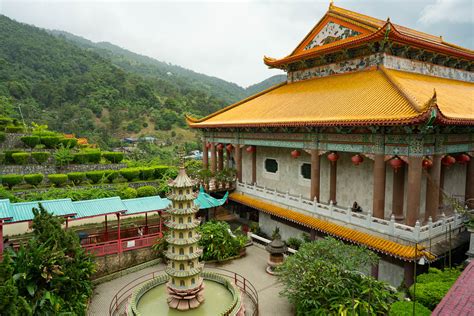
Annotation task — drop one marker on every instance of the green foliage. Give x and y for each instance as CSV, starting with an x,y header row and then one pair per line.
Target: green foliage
x,y
146,190
57,179
294,242
87,156
405,308
30,141
217,242
12,179
2,158
2,137
33,179
52,272
40,156
68,142
431,287
13,129
146,173
322,279
50,141
94,156
63,156
130,174
76,177
20,158
110,175
128,193
95,176
8,156
160,171
113,157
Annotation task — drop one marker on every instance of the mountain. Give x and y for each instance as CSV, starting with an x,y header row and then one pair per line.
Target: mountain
x,y
265,84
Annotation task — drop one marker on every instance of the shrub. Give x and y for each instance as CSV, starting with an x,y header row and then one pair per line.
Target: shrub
x,y
87,156
146,190
30,141
50,141
40,156
2,137
160,171
68,142
130,173
94,156
63,156
2,158
80,158
5,120
217,242
57,179
33,179
95,176
76,177
146,173
113,157
405,308
128,193
20,158
171,173
12,179
8,156
14,129
294,243
111,175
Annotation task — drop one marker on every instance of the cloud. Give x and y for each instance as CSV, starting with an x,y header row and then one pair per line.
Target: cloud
x,y
452,11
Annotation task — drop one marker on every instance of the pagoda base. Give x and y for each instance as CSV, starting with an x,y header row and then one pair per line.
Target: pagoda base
x,y
185,299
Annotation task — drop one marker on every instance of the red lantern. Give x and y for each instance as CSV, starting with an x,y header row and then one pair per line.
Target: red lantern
x,y
396,163
229,147
208,145
295,154
357,159
448,160
463,159
426,163
250,149
220,146
333,157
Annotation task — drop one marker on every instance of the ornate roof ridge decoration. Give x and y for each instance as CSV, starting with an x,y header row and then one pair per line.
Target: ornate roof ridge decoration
x,y
371,29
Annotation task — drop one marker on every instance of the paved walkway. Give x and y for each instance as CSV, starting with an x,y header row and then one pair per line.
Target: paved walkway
x,y
252,267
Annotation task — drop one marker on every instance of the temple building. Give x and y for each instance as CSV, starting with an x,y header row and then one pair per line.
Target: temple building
x,y
370,140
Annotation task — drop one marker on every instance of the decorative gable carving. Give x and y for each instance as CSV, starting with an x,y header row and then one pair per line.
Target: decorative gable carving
x,y
331,32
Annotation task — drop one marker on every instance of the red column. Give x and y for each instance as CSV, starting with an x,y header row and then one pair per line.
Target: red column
x,y
161,223
118,234
205,156
398,193
1,238
146,223
332,182
315,174
106,229
238,161
470,183
414,189
213,158
254,165
432,189
378,204
220,159
227,158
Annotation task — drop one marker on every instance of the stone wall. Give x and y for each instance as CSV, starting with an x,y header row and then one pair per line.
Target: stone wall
x,y
49,169
12,141
112,263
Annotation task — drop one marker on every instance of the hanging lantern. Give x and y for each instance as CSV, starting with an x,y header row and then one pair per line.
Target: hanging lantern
x,y
463,159
229,147
208,145
448,160
426,163
295,154
333,157
396,163
250,149
220,146
357,159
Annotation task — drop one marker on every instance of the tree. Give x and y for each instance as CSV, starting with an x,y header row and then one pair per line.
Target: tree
x,y
322,279
52,272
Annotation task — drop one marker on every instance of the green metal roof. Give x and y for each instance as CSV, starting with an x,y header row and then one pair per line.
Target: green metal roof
x,y
23,211
5,209
145,204
91,208
204,200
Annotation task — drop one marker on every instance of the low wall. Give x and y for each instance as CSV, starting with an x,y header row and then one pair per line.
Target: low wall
x,y
12,140
49,169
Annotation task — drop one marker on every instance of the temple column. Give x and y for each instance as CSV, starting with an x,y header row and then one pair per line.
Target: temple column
x,y
1,238
315,174
213,158
398,193
332,182
238,161
220,158
205,156
254,165
409,273
414,189
470,184
227,158
432,189
119,241
441,185
379,186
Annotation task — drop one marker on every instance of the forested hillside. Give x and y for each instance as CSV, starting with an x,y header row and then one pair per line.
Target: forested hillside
x,y
265,84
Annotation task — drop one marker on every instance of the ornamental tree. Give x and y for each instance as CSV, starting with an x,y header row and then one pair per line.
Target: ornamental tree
x,y
323,278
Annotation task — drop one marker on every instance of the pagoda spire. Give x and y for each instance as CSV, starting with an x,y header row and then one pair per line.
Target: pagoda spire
x,y
185,287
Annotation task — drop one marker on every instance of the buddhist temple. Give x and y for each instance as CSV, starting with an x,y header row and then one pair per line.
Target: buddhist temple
x,y
369,140
185,288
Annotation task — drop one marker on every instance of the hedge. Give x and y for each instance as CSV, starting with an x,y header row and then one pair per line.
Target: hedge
x,y
2,158
130,173
94,156
14,129
405,308
12,179
111,175
30,141
113,157
128,193
95,176
80,158
84,157
40,156
160,171
68,142
20,158
146,173
57,179
50,141
5,120
146,190
8,155
76,177
33,179
2,137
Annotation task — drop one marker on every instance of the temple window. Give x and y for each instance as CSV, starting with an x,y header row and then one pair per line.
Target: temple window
x,y
193,281
172,249
188,191
271,165
172,281
191,264
191,249
189,219
180,205
181,283
190,235
189,205
180,220
181,251
181,235
180,192
181,267
172,264
305,171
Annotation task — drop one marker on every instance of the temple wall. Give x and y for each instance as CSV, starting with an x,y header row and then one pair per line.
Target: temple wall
x,y
455,180
391,271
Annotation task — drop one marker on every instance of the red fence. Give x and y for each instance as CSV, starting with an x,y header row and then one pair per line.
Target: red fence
x,y
122,245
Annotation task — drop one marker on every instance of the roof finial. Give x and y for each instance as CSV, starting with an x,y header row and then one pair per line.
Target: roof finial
x,y
181,158
435,99
388,19
331,3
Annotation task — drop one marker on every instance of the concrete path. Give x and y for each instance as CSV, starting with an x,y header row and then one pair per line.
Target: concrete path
x,y
252,267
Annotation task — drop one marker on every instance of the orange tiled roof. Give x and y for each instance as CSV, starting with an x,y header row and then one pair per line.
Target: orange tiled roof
x,y
391,248
376,96
82,141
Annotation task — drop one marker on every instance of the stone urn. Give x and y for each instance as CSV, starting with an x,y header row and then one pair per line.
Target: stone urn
x,y
276,249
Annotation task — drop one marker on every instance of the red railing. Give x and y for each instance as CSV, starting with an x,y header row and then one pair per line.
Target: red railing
x,y
110,235
126,244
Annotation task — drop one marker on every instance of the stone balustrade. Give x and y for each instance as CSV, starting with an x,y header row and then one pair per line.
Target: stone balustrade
x,y
389,227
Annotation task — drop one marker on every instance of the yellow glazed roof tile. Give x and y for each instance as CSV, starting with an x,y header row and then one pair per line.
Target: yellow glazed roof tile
x,y
379,244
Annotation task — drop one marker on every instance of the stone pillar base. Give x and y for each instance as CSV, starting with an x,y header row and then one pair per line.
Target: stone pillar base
x,y
185,299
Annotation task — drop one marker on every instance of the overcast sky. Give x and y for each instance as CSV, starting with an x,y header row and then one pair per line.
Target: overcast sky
x,y
228,39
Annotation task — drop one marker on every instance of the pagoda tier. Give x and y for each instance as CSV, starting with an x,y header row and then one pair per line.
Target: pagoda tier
x,y
185,288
